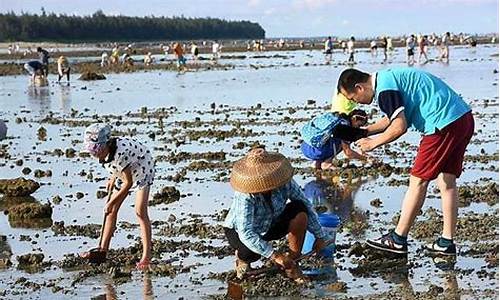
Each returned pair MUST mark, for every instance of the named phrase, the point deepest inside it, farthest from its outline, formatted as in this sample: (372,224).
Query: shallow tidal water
(277,84)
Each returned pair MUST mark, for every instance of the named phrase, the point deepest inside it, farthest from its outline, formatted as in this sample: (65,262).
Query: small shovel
(97,255)
(235,289)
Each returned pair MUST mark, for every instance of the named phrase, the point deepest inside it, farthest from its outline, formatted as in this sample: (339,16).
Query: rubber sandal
(94,255)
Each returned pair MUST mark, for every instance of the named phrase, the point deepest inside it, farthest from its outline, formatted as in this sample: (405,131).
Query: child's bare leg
(141,210)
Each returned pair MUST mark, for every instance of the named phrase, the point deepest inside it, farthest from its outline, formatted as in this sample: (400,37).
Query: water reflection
(448,289)
(65,97)
(330,195)
(147,291)
(111,294)
(39,97)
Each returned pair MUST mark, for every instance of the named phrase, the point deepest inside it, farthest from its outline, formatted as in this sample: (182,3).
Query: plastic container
(329,222)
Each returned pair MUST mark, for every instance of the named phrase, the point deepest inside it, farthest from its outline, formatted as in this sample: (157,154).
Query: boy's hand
(366,144)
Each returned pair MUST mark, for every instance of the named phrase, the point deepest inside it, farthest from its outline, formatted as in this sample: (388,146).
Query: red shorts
(443,151)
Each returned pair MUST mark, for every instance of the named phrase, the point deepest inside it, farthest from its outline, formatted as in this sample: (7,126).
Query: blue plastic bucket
(329,222)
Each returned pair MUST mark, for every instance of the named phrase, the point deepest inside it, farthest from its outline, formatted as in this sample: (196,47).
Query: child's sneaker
(387,243)
(439,247)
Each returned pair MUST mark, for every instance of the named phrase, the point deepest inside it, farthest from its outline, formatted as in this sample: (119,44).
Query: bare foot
(143,264)
(327,166)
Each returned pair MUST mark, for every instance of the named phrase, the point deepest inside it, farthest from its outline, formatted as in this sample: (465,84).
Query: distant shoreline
(142,48)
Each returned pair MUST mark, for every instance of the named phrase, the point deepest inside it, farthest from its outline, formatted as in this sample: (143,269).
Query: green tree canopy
(99,27)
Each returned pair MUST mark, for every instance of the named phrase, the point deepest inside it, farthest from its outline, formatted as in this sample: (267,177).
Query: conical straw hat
(260,171)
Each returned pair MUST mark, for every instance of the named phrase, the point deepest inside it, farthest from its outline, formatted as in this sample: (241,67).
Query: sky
(301,18)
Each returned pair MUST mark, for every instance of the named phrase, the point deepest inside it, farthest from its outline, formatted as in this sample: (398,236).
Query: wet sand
(197,124)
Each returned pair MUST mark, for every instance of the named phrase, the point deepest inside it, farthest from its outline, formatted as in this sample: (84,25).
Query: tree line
(100,27)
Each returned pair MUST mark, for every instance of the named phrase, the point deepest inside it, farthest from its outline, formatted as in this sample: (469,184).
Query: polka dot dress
(133,154)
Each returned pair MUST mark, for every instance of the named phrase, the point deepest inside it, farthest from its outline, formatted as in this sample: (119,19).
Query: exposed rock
(337,287)
(18,187)
(42,134)
(30,211)
(167,195)
(91,76)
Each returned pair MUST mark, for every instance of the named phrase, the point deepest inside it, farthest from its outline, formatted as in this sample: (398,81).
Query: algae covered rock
(91,76)
(167,195)
(30,211)
(18,187)
(31,259)
(32,262)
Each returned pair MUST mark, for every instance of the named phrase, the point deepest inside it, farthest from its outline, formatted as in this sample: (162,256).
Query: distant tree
(99,27)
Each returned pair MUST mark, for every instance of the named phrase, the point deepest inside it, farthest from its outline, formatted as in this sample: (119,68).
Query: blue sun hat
(95,137)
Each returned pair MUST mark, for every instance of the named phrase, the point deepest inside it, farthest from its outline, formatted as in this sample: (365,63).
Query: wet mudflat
(197,124)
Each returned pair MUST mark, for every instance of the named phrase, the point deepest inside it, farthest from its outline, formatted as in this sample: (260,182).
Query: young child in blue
(347,130)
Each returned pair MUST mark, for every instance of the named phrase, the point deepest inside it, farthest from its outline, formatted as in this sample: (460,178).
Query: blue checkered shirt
(251,217)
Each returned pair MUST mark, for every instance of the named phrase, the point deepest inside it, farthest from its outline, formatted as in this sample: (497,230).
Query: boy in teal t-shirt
(412,97)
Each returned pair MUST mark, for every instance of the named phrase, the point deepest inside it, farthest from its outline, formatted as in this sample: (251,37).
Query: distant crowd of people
(178,49)
(412,42)
(123,55)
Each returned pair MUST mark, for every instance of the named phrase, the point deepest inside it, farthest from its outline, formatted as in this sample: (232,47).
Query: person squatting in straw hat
(132,164)
(341,130)
(412,97)
(260,212)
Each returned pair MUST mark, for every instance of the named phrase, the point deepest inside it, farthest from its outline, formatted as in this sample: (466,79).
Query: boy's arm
(378,126)
(397,128)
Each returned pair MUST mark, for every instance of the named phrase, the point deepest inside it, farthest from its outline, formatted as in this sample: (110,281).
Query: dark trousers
(45,69)
(278,229)
(67,71)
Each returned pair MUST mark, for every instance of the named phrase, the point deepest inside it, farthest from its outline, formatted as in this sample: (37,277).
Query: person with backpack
(328,134)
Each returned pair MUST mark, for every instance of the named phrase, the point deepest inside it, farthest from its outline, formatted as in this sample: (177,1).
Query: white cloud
(270,11)
(312,4)
(254,3)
